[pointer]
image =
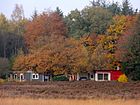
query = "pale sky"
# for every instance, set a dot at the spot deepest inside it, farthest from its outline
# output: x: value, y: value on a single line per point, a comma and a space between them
x: 7, y: 6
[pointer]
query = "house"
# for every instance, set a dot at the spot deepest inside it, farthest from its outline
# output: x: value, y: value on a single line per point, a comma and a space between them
x: 31, y: 76
x: 100, y: 75
x: 96, y: 75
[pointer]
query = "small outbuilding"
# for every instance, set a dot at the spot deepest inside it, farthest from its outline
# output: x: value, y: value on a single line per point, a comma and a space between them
x: 100, y: 75
x: 31, y: 76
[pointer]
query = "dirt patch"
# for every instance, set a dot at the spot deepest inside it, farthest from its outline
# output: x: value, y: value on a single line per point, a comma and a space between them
x: 72, y: 90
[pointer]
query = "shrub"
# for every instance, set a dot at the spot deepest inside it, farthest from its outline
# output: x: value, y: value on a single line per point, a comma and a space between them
x: 123, y: 78
x: 60, y: 78
x: 132, y: 70
x: 2, y: 81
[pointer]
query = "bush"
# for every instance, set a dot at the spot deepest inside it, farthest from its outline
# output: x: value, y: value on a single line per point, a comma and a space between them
x: 123, y: 78
x: 135, y: 74
x: 132, y: 71
x: 2, y: 81
x: 60, y: 78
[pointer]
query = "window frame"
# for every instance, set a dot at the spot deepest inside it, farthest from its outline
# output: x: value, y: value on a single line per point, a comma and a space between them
x: 100, y: 76
x: 35, y: 76
x: 103, y: 76
x: 22, y: 77
x: 106, y: 79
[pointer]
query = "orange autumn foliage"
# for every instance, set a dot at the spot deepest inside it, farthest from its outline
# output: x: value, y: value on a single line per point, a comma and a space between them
x: 60, y: 56
x: 43, y: 26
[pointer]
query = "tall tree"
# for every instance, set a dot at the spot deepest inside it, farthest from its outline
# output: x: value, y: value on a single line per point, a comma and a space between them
x: 129, y: 44
x: 3, y: 34
x: 126, y: 8
x: 18, y: 20
x: 10, y: 40
x: 115, y: 8
x: 58, y: 10
x: 99, y: 3
x: 59, y: 55
x: 129, y: 49
x: 45, y: 25
x: 89, y: 20
x: 18, y: 13
x: 75, y: 23
x: 97, y: 19
x: 17, y: 26
x: 120, y: 24
x: 35, y: 14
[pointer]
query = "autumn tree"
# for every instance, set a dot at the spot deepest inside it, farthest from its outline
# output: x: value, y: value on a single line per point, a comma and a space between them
x: 106, y: 46
x: 129, y: 49
x: 43, y: 26
x: 120, y: 25
x: 60, y: 55
x: 99, y: 58
x: 90, y: 43
x: 100, y: 51
x: 109, y: 42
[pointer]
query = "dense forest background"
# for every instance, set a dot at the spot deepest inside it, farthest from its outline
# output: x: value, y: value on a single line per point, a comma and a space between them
x: 99, y: 37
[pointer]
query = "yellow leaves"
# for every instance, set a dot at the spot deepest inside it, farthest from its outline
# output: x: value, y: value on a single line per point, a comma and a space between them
x: 87, y: 40
x: 103, y: 55
x: 123, y: 78
x: 108, y: 42
x: 101, y: 39
x: 120, y: 25
x: 110, y: 56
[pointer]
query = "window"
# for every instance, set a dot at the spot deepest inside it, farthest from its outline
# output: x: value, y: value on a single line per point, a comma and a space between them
x: 35, y: 76
x: 21, y: 77
x: 103, y: 76
x: 106, y: 77
x: 100, y: 76
x: 91, y: 76
x: 15, y: 76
